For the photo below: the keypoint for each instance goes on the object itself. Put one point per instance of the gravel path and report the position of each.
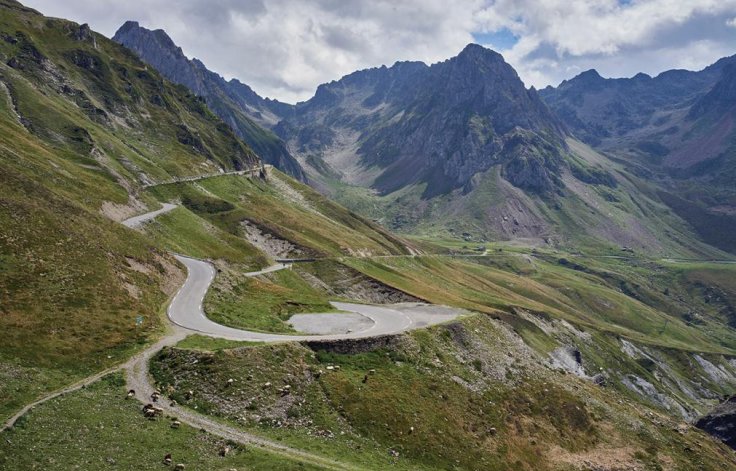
(138, 379)
(136, 221)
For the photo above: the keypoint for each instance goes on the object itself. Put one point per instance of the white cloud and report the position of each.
(285, 48)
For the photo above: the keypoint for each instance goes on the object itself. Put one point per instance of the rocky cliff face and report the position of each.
(439, 125)
(721, 99)
(237, 104)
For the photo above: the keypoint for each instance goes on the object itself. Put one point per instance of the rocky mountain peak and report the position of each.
(641, 76)
(477, 53)
(483, 66)
(440, 124)
(132, 32)
(128, 26)
(586, 79)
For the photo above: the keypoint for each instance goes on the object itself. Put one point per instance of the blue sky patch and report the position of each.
(499, 40)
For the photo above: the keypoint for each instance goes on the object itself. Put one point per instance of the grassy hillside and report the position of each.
(286, 210)
(461, 396)
(111, 433)
(645, 301)
(600, 207)
(83, 125)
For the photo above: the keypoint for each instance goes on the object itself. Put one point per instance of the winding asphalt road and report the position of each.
(187, 316)
(186, 311)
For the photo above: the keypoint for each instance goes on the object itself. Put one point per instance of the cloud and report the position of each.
(618, 38)
(285, 48)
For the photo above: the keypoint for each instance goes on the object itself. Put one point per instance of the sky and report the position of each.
(284, 49)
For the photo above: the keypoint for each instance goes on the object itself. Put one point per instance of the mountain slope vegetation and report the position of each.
(240, 107)
(84, 125)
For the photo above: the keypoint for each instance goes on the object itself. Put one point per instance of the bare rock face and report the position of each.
(721, 422)
(440, 125)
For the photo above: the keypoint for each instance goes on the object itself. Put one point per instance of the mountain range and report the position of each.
(462, 148)
(142, 240)
(675, 129)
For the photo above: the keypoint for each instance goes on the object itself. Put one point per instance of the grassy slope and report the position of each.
(473, 394)
(65, 310)
(593, 299)
(287, 209)
(111, 433)
(184, 232)
(262, 303)
(82, 122)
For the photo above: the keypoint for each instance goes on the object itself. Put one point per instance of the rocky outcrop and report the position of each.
(238, 105)
(354, 346)
(84, 33)
(721, 422)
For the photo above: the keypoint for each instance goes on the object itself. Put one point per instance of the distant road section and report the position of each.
(136, 221)
(248, 172)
